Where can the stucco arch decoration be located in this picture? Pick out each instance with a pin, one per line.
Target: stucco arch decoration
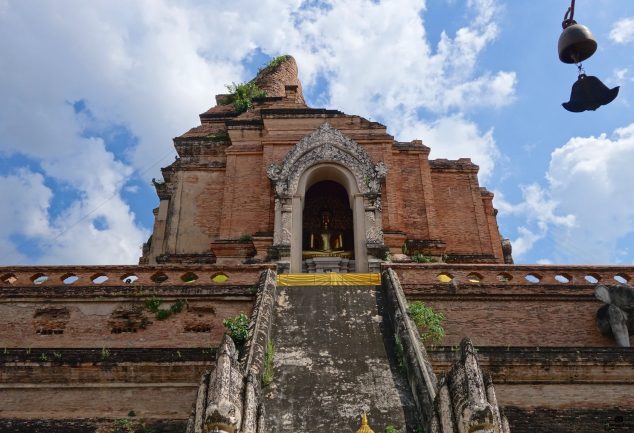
(327, 144)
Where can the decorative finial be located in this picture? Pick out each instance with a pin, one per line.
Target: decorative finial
(365, 428)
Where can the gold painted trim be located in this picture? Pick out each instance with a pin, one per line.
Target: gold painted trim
(329, 279)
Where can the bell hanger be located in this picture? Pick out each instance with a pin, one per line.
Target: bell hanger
(576, 44)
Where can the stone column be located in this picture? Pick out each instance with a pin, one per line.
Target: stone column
(282, 234)
(296, 234)
(360, 248)
(374, 242)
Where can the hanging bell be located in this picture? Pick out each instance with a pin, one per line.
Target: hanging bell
(589, 93)
(576, 43)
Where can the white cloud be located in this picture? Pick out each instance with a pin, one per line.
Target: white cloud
(382, 65)
(623, 31)
(540, 211)
(26, 200)
(525, 240)
(454, 137)
(587, 209)
(71, 237)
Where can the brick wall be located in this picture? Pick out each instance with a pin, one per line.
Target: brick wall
(515, 322)
(461, 219)
(422, 199)
(407, 205)
(74, 340)
(496, 306)
(51, 384)
(116, 323)
(205, 211)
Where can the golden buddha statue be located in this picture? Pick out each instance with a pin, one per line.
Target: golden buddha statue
(326, 242)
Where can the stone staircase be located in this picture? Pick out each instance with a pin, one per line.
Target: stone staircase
(335, 358)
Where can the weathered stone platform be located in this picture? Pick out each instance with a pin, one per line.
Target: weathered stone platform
(334, 358)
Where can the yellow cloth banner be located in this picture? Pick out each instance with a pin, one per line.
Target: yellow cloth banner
(329, 279)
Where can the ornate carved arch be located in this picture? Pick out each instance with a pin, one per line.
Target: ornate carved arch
(327, 144)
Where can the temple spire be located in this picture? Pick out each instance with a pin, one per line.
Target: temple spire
(365, 428)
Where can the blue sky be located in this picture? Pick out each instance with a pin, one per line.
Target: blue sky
(94, 91)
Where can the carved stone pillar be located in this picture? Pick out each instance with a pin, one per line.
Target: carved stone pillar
(282, 233)
(218, 405)
(466, 400)
(615, 317)
(229, 396)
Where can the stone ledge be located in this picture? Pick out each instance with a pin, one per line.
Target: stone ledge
(583, 420)
(91, 292)
(86, 425)
(74, 357)
(547, 365)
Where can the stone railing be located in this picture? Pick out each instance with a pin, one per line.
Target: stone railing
(166, 275)
(229, 396)
(474, 274)
(420, 373)
(464, 399)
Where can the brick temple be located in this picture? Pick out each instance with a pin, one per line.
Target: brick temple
(323, 229)
(276, 173)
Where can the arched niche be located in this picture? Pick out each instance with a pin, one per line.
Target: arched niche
(340, 174)
(327, 154)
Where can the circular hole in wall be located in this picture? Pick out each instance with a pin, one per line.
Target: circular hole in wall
(69, 278)
(189, 277)
(533, 278)
(622, 278)
(444, 277)
(474, 278)
(504, 277)
(563, 278)
(39, 278)
(8, 278)
(219, 278)
(129, 278)
(99, 278)
(159, 277)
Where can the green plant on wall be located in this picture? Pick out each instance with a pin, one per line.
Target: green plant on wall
(218, 136)
(154, 305)
(274, 63)
(421, 258)
(104, 354)
(126, 425)
(390, 429)
(245, 238)
(242, 95)
(428, 321)
(267, 374)
(238, 329)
